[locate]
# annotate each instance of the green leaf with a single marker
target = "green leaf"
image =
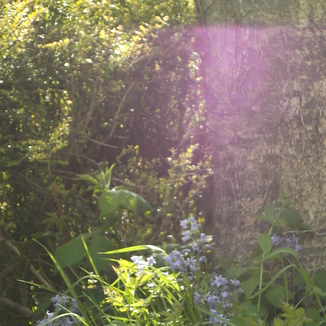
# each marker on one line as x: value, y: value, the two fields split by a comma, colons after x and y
x: 250, y: 285
x: 292, y: 217
x: 88, y: 178
x: 133, y: 248
x: 71, y: 252
x: 113, y: 199
x: 265, y: 243
x: 99, y: 244
x: 234, y: 272
x: 319, y: 291
x: 117, y: 323
x: 320, y: 279
x: 274, y: 296
x: 264, y: 218
x: 313, y: 313
x: 269, y: 211
x: 279, y: 222
x: 108, y: 202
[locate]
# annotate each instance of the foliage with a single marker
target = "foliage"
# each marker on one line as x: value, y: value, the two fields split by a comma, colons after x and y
x: 81, y: 83
x: 275, y: 278
x: 186, y: 292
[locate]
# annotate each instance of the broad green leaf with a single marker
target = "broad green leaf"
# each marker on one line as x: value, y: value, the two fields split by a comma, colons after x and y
x: 275, y: 296
x: 264, y: 218
x: 320, y: 279
x: 265, y: 243
x: 71, y: 252
x: 108, y: 202
x: 250, y: 285
x: 313, y: 313
x: 133, y: 202
x: 99, y: 244
x: 113, y: 199
x: 279, y: 222
x: 234, y: 272
x: 88, y: 178
x: 292, y: 217
x: 269, y: 211
x: 319, y: 291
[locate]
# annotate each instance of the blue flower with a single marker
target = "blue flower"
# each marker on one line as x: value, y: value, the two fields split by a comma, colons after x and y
x: 184, y: 224
x: 218, y: 281
x: 185, y: 236
x: 276, y: 240
x: 203, y: 237
x: 151, y: 261
x: 202, y: 259
x: 194, y: 226
x: 235, y: 283
x: 197, y: 299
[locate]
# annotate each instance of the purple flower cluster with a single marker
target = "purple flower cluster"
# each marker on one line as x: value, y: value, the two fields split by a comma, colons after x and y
x: 184, y: 262
x: 142, y: 264
x: 286, y: 242
x: 218, y: 300
x: 62, y: 305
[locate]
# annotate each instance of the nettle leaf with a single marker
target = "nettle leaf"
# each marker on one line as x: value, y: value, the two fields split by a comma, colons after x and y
x: 71, y: 252
x: 265, y: 243
x: 319, y: 291
x: 275, y: 296
x: 88, y: 178
x: 320, y: 279
x: 249, y: 285
x: 108, y: 202
x: 292, y: 217
x: 280, y: 222
x: 264, y: 218
x: 113, y: 199
x: 269, y: 211
x: 99, y: 244
x: 234, y: 272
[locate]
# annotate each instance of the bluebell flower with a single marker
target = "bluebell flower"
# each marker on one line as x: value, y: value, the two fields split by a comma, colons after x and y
x: 235, y: 283
x: 191, y: 219
x: 62, y: 304
x: 225, y: 294
x: 194, y: 226
x: 195, y: 248
x: 202, y: 259
x: 151, y: 261
x: 191, y: 263
x: 276, y: 240
x: 197, y: 299
x: 218, y: 281
x: 211, y: 299
x: 184, y: 224
x: 185, y: 236
x: 203, y: 237
x: 175, y: 261
x: 208, y: 246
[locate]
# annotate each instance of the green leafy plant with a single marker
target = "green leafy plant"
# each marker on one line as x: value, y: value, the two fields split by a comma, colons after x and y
x: 111, y: 202
x: 271, y: 280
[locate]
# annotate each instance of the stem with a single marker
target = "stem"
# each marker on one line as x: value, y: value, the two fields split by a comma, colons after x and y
x: 262, y: 264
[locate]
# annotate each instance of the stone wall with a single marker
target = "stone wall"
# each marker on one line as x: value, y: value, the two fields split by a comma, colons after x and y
x: 265, y: 91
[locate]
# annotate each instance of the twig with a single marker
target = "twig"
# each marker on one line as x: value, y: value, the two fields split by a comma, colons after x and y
x: 119, y: 109
x: 32, y: 269
x: 100, y: 143
x: 15, y: 306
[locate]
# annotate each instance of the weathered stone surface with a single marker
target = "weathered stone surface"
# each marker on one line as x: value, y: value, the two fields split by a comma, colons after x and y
x: 265, y: 90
